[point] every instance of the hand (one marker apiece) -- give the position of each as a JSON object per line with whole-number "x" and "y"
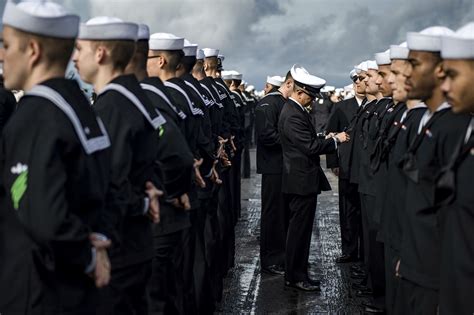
{"x": 234, "y": 148}
{"x": 101, "y": 273}
{"x": 397, "y": 269}
{"x": 335, "y": 171}
{"x": 182, "y": 202}
{"x": 154, "y": 209}
{"x": 342, "y": 137}
{"x": 199, "y": 180}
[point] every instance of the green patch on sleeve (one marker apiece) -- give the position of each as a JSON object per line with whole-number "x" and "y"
{"x": 19, "y": 188}
{"x": 162, "y": 131}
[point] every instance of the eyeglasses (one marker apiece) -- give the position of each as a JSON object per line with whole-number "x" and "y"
{"x": 151, "y": 57}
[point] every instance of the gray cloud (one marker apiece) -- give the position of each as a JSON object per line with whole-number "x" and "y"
{"x": 265, "y": 37}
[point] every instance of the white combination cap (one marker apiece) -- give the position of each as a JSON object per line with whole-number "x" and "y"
{"x": 306, "y": 81}
{"x": 428, "y": 39}
{"x": 383, "y": 58}
{"x": 399, "y": 51}
{"x": 189, "y": 48}
{"x": 143, "y": 32}
{"x": 210, "y": 52}
{"x": 460, "y": 45}
{"x": 166, "y": 41}
{"x": 42, "y": 18}
{"x": 108, "y": 28}
{"x": 275, "y": 80}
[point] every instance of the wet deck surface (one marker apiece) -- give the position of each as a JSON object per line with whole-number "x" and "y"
{"x": 247, "y": 291}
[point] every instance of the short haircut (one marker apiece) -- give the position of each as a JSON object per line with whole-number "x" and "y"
{"x": 55, "y": 50}
{"x": 288, "y": 76}
{"x": 211, "y": 62}
{"x": 188, "y": 63}
{"x": 237, "y": 82}
{"x": 121, "y": 51}
{"x": 141, "y": 54}
{"x": 173, "y": 58}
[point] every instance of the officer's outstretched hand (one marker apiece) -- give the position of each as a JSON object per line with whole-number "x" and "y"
{"x": 153, "y": 194}
{"x": 101, "y": 273}
{"x": 342, "y": 137}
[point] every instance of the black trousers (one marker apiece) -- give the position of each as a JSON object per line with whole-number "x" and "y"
{"x": 298, "y": 240}
{"x": 376, "y": 259}
{"x": 365, "y": 202}
{"x": 166, "y": 284}
{"x": 414, "y": 299}
{"x": 225, "y": 215}
{"x": 391, "y": 281}
{"x": 201, "y": 268}
{"x": 188, "y": 244}
{"x": 350, "y": 219}
{"x": 246, "y": 153}
{"x": 235, "y": 192}
{"x": 273, "y": 222}
{"x": 127, "y": 291}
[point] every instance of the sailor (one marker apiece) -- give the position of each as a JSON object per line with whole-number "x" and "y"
{"x": 55, "y": 172}
{"x": 104, "y": 48}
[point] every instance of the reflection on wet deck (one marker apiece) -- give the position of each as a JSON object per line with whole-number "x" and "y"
{"x": 247, "y": 291}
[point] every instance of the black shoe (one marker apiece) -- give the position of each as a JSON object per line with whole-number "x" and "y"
{"x": 273, "y": 270}
{"x": 314, "y": 282}
{"x": 372, "y": 309}
{"x": 345, "y": 259}
{"x": 303, "y": 286}
{"x": 364, "y": 292}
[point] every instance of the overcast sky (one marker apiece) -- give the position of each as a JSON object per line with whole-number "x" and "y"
{"x": 266, "y": 37}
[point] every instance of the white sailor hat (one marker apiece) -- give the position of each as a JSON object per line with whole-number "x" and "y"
{"x": 226, "y": 75}
{"x": 200, "y": 54}
{"x": 166, "y": 41}
{"x": 189, "y": 48}
{"x": 399, "y": 51}
{"x": 361, "y": 67}
{"x": 460, "y": 45}
{"x": 231, "y": 75}
{"x": 310, "y": 83}
{"x": 348, "y": 88}
{"x": 143, "y": 32}
{"x": 210, "y": 52}
{"x": 108, "y": 28}
{"x": 275, "y": 80}
{"x": 236, "y": 75}
{"x": 372, "y": 65}
{"x": 428, "y": 39}
{"x": 42, "y": 18}
{"x": 383, "y": 58}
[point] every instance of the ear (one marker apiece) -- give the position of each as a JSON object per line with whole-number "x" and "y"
{"x": 439, "y": 71}
{"x": 34, "y": 50}
{"x": 100, "y": 54}
{"x": 161, "y": 61}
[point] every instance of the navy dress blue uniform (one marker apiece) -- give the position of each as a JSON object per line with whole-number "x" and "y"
{"x": 7, "y": 106}
{"x": 274, "y": 214}
{"x": 302, "y": 180}
{"x": 349, "y": 201}
{"x": 52, "y": 196}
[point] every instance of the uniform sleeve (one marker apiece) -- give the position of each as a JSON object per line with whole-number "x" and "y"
{"x": 299, "y": 134}
{"x": 175, "y": 160}
{"x": 7, "y": 106}
{"x": 120, "y": 191}
{"x": 266, "y": 123}
{"x": 45, "y": 212}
